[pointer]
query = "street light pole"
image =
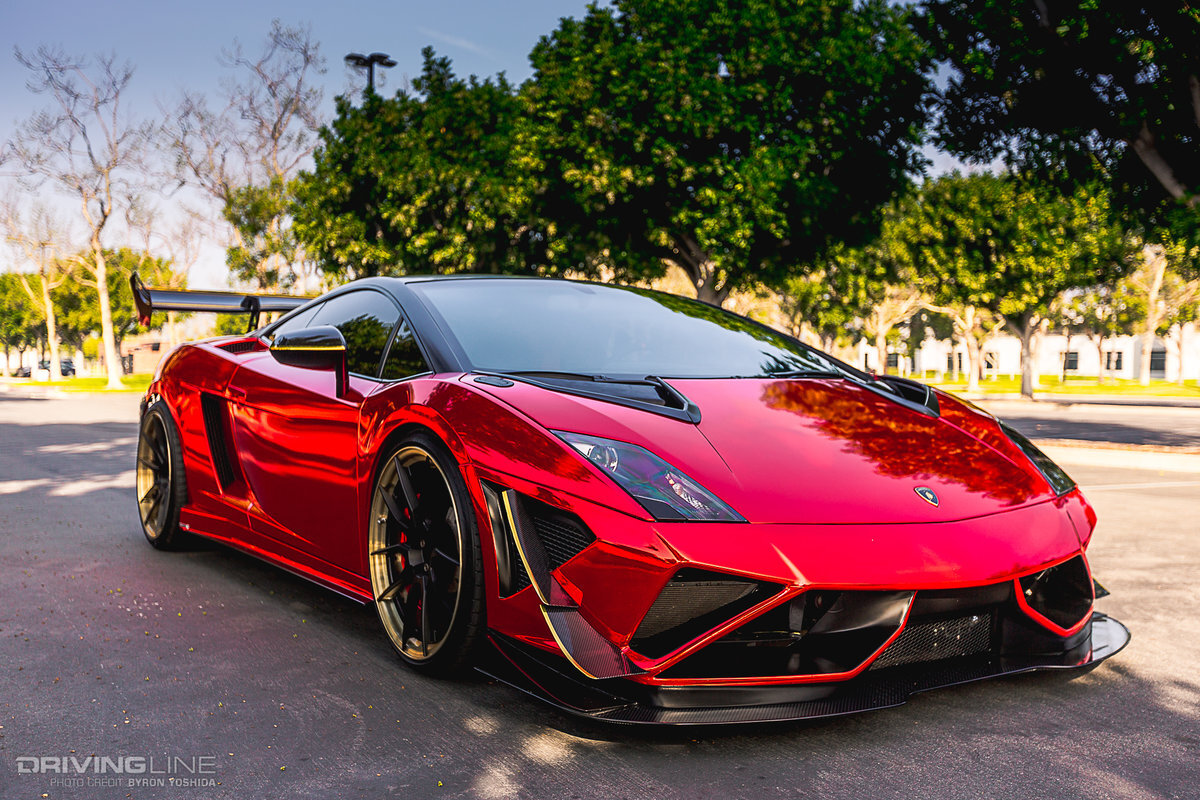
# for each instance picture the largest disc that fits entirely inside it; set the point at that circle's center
(359, 61)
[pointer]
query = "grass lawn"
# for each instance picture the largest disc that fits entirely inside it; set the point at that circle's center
(132, 383)
(1054, 384)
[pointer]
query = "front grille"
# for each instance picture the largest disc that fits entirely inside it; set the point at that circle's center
(937, 640)
(562, 534)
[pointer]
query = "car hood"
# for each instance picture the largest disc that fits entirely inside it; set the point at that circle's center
(814, 451)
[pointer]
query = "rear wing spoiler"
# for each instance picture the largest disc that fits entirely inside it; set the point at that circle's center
(150, 300)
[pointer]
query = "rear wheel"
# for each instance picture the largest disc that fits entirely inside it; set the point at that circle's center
(424, 556)
(161, 490)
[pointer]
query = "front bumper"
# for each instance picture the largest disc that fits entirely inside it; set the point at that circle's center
(555, 681)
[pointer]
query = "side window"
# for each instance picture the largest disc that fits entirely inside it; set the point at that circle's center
(404, 359)
(365, 319)
(296, 321)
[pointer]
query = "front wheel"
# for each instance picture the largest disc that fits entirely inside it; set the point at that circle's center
(424, 556)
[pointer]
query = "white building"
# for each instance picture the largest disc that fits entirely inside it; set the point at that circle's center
(1054, 355)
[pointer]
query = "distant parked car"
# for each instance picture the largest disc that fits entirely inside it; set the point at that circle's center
(22, 372)
(67, 364)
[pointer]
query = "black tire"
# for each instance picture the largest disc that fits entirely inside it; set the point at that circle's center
(161, 486)
(424, 557)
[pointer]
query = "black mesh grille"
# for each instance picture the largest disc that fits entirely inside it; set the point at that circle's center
(936, 640)
(562, 534)
(214, 426)
(244, 346)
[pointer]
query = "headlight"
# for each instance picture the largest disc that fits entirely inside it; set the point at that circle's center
(1058, 479)
(662, 490)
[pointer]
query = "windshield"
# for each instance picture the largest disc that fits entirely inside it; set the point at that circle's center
(516, 325)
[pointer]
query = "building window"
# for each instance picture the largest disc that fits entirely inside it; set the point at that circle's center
(950, 362)
(989, 361)
(1158, 361)
(1071, 360)
(1114, 360)
(893, 361)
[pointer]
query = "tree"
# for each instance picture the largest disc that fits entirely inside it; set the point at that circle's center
(246, 156)
(89, 148)
(1164, 297)
(424, 181)
(77, 306)
(37, 237)
(816, 310)
(19, 319)
(1008, 245)
(1105, 311)
(734, 140)
(1078, 82)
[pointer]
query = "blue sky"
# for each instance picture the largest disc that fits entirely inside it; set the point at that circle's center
(176, 45)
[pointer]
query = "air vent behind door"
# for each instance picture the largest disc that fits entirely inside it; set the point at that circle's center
(216, 426)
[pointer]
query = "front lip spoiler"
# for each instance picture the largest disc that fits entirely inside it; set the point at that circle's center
(618, 701)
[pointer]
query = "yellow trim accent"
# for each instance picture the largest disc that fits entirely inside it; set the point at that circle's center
(285, 347)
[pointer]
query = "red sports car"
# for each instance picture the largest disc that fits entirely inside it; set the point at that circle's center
(638, 507)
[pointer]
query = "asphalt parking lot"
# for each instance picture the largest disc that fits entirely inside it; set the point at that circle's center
(108, 647)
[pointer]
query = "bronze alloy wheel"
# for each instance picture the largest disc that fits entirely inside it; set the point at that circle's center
(161, 490)
(421, 534)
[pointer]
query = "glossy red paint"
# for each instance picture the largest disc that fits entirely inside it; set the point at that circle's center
(824, 472)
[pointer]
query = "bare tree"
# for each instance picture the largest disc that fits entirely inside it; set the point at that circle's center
(245, 155)
(89, 148)
(38, 237)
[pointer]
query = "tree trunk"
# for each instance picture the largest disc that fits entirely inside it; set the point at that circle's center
(1156, 260)
(972, 363)
(1180, 341)
(172, 334)
(4, 371)
(1100, 370)
(881, 352)
(80, 366)
(112, 358)
(1027, 331)
(1064, 358)
(51, 332)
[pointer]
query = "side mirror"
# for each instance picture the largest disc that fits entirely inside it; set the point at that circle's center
(320, 347)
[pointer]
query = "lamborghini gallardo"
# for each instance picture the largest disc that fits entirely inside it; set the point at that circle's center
(635, 506)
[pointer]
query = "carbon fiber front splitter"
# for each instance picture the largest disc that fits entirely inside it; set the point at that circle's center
(620, 701)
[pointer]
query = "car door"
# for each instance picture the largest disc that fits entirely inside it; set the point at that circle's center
(297, 440)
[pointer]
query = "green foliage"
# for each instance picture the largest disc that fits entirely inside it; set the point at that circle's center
(1077, 83)
(77, 305)
(230, 325)
(266, 244)
(421, 182)
(21, 323)
(1008, 245)
(736, 140)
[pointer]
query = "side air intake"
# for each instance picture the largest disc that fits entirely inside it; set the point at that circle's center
(1062, 594)
(216, 426)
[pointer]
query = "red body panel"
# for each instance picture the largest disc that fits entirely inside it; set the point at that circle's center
(823, 471)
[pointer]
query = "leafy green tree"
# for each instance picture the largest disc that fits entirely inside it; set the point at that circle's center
(421, 182)
(1077, 82)
(1010, 246)
(77, 306)
(20, 321)
(1103, 313)
(736, 140)
(813, 306)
